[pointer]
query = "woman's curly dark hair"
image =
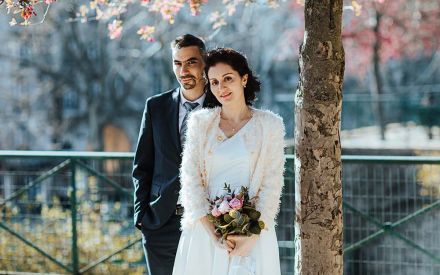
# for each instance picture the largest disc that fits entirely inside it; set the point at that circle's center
(239, 63)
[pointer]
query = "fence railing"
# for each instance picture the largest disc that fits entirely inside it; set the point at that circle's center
(71, 212)
(68, 212)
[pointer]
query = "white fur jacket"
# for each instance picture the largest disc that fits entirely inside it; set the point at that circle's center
(265, 141)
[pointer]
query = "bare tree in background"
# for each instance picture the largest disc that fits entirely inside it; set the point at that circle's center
(101, 80)
(108, 80)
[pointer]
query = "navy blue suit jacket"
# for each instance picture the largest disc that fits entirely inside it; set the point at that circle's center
(157, 160)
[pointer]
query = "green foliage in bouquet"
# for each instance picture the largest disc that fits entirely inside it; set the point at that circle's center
(235, 214)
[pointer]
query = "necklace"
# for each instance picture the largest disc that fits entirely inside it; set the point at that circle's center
(231, 126)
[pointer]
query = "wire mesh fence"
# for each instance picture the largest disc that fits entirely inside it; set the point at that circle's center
(43, 215)
(391, 216)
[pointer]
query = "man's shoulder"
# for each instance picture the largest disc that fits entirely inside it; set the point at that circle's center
(162, 97)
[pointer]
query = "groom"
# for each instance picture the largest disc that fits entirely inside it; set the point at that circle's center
(157, 211)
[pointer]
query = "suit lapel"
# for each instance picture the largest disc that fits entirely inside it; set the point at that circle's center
(174, 119)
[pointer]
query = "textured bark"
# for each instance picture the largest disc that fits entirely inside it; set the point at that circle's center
(318, 188)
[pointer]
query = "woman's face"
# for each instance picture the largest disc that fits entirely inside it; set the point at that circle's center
(226, 84)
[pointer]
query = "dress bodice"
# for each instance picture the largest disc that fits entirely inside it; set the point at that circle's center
(230, 164)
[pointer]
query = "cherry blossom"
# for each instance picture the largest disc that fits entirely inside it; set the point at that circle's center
(115, 29)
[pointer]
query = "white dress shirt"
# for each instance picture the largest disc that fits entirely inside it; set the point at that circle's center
(182, 110)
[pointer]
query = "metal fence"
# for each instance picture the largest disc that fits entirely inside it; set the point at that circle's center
(68, 213)
(71, 212)
(391, 215)
(400, 105)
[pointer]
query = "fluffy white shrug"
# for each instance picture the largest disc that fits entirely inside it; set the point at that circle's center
(265, 140)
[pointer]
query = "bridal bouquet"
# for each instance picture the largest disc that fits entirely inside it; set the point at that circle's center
(235, 214)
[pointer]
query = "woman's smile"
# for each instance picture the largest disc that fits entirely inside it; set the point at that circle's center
(226, 95)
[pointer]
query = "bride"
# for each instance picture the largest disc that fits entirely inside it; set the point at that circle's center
(236, 144)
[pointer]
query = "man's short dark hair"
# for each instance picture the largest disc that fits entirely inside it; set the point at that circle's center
(188, 40)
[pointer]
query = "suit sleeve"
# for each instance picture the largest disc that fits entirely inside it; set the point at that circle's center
(143, 165)
(268, 202)
(193, 194)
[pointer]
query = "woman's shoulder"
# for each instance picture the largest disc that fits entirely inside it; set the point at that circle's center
(204, 115)
(271, 122)
(268, 116)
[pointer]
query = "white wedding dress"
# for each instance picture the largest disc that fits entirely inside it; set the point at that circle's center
(196, 253)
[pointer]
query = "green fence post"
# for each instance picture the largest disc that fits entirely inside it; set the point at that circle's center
(75, 262)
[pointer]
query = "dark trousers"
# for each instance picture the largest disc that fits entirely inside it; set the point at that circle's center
(160, 246)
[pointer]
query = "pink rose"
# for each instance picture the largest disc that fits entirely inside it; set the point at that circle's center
(215, 212)
(235, 203)
(227, 198)
(224, 207)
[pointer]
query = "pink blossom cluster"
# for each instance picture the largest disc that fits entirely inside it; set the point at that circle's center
(115, 29)
(225, 204)
(146, 33)
(26, 9)
(168, 8)
(195, 6)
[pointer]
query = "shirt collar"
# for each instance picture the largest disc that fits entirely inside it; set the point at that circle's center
(199, 100)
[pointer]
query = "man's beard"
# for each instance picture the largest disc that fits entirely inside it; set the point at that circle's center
(189, 85)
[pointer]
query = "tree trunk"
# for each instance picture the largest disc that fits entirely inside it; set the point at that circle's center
(376, 84)
(93, 124)
(55, 116)
(318, 188)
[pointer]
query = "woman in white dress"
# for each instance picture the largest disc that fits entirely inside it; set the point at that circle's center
(236, 144)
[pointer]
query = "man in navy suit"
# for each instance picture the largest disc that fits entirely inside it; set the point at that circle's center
(157, 211)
